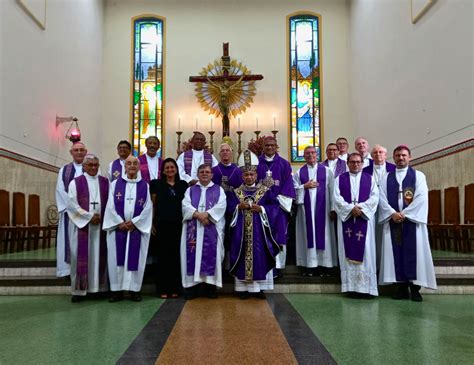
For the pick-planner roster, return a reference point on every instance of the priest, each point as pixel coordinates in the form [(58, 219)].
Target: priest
[(315, 235), (150, 163), (253, 248), (66, 174), (275, 173), (202, 238), (406, 254), (88, 195), (226, 174), (117, 167), (362, 147), (189, 161), (127, 220), (337, 165), (355, 200)]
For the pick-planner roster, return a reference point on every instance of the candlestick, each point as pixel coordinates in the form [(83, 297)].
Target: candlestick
[(239, 141), (275, 134), (178, 150), (211, 141), (257, 133), (211, 123)]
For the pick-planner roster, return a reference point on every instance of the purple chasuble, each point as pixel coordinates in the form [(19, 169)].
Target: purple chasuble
[(188, 160), (319, 223), (69, 171), (144, 168), (209, 245), (354, 230), (227, 177), (135, 235), (116, 170), (340, 167), (403, 234), (82, 269)]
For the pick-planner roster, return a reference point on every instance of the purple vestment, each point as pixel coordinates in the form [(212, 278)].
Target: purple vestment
[(209, 245), (389, 167), (188, 160), (227, 177), (403, 234), (69, 171), (340, 166), (276, 174), (354, 230), (144, 168), (116, 170), (135, 235), (253, 248), (82, 267)]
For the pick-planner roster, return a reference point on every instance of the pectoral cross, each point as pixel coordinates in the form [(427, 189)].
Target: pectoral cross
[(202, 207), (118, 195), (359, 235), (94, 204), (354, 201), (348, 232), (130, 199)]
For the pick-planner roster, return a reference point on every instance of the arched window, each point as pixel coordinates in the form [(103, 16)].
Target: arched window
[(304, 84), (147, 82)]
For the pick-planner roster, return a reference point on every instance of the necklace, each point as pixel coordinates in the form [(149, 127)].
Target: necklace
[(131, 195)]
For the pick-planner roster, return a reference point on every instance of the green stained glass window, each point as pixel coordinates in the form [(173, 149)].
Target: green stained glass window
[(147, 96), (305, 85)]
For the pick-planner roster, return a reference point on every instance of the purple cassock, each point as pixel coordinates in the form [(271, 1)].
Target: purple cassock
[(340, 167), (82, 268), (69, 171), (403, 234), (253, 248), (227, 177), (389, 167), (276, 175), (354, 230), (144, 168)]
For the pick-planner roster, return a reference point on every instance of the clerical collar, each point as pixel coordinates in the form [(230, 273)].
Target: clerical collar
[(379, 166), (77, 165), (90, 176), (311, 166), (402, 169), (205, 186), (269, 159), (198, 151), (226, 164), (251, 186), (137, 179), (354, 173)]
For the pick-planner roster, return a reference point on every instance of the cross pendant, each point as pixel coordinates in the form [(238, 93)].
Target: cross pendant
[(202, 208), (130, 200), (354, 202), (94, 204)]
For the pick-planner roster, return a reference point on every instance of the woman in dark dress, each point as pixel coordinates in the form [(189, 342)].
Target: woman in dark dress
[(167, 194)]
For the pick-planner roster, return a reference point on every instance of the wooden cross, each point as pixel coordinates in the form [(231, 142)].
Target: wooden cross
[(225, 79), (94, 204), (348, 232), (359, 235)]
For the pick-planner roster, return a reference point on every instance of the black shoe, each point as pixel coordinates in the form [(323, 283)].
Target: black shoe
[(77, 298), (244, 295), (278, 273), (260, 295), (402, 292), (136, 296), (116, 297), (415, 293)]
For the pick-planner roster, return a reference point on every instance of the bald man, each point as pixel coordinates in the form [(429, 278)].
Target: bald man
[(363, 148)]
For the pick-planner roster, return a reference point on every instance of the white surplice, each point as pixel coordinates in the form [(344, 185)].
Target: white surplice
[(62, 202), (216, 214), (198, 160), (417, 212), (311, 257), (120, 277), (360, 278), (79, 218)]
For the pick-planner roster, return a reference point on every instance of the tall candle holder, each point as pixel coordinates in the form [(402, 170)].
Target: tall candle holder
[(274, 132), (178, 149), (257, 133), (211, 140), (239, 142)]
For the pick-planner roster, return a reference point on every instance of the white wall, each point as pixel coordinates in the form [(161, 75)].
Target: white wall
[(195, 31), (49, 72), (412, 83)]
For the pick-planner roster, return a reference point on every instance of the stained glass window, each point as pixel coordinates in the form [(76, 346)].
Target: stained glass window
[(305, 87), (147, 82)]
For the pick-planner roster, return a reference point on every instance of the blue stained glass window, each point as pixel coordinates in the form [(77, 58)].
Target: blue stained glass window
[(305, 87), (147, 96)]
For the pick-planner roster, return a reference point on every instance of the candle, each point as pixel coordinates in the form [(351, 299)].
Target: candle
[(274, 123), (239, 124), (197, 123), (179, 124), (211, 123), (257, 123)]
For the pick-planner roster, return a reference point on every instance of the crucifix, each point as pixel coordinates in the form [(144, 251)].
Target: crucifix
[(225, 84), (202, 208)]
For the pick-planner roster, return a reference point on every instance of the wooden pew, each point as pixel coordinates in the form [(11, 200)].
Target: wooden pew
[(434, 219), (467, 229)]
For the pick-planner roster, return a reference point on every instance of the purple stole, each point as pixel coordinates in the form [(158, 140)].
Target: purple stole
[(389, 167), (117, 170), (135, 235), (188, 160), (403, 234), (209, 245), (144, 168), (340, 167), (320, 211), (68, 175), (83, 234), (354, 230)]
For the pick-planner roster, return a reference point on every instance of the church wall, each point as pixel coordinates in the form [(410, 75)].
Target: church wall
[(195, 31), (412, 83), (56, 71)]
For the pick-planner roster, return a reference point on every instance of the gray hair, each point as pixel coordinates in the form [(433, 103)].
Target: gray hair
[(90, 157)]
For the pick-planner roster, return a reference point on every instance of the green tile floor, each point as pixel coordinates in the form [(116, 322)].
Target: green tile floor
[(384, 331), (52, 330), (45, 254)]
